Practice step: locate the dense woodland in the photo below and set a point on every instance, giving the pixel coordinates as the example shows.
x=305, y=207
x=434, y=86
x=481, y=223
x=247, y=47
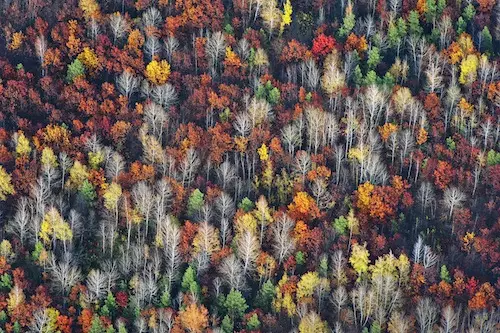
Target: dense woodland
x=250, y=166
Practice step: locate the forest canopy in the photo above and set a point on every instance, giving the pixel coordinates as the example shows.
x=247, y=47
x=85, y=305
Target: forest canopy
x=249, y=166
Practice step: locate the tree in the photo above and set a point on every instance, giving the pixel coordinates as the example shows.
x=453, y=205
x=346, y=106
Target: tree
x=248, y=250
x=195, y=202
x=359, y=259
x=75, y=70
x=235, y=304
x=157, y=72
x=283, y=244
x=6, y=187
x=312, y=322
x=322, y=45
x=452, y=199
x=127, y=83
x=194, y=318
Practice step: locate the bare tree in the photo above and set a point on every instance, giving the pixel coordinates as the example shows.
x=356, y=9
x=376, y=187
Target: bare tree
x=20, y=225
x=291, y=138
x=152, y=46
x=170, y=44
x=156, y=119
x=215, y=48
x=64, y=275
x=226, y=175
x=248, y=250
x=449, y=320
x=452, y=199
x=426, y=313
x=119, y=26
x=151, y=18
x=188, y=167
x=40, y=49
x=96, y=285
x=232, y=274
x=302, y=164
x=165, y=95
x=283, y=243
x=127, y=83
x=114, y=166
x=40, y=321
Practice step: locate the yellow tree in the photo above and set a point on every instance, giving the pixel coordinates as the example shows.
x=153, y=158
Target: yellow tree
x=158, y=72
x=194, y=318
x=112, y=195
x=359, y=259
x=312, y=323
x=6, y=187
x=286, y=18
x=23, y=147
x=89, y=59
x=16, y=298
x=306, y=286
x=206, y=239
x=90, y=8
x=77, y=175
x=468, y=69
x=53, y=227
x=284, y=300
x=49, y=159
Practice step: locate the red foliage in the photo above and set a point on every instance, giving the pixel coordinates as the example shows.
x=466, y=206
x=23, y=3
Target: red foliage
x=322, y=45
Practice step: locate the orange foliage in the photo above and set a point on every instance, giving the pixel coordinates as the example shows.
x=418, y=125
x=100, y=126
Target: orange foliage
x=194, y=318
x=421, y=136
x=386, y=130
x=443, y=174
x=303, y=207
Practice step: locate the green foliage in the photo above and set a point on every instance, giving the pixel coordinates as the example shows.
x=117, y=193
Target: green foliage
x=17, y=327
x=388, y=80
x=358, y=76
x=340, y=225
x=375, y=328
x=195, y=202
x=5, y=281
x=246, y=204
x=110, y=302
x=492, y=158
x=253, y=323
x=374, y=57
x=265, y=296
x=225, y=115
x=300, y=258
x=3, y=317
x=235, y=304
x=431, y=11
x=305, y=22
x=165, y=299
x=37, y=251
x=96, y=326
x=228, y=29
x=189, y=282
x=445, y=274
x=371, y=78
x=75, y=69
x=87, y=191
x=95, y=159
x=268, y=92
x=414, y=27
x=227, y=325
x=461, y=25
x=451, y=144
x=347, y=25
x=323, y=266
x=469, y=12
x=487, y=41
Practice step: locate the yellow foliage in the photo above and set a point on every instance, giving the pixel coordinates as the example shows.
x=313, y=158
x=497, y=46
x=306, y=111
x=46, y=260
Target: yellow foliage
x=246, y=222
x=468, y=69
x=358, y=154
x=386, y=130
x=49, y=158
x=23, y=145
x=206, y=239
x=364, y=195
x=158, y=71
x=465, y=106
x=16, y=41
x=90, y=8
x=385, y=265
x=53, y=225
x=77, y=175
x=359, y=259
x=194, y=318
x=286, y=18
x=312, y=323
x=284, y=301
x=16, y=298
x=6, y=187
x=89, y=59
x=352, y=222
x=263, y=152
x=6, y=250
x=307, y=285
x=422, y=136
x=112, y=196
x=467, y=240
